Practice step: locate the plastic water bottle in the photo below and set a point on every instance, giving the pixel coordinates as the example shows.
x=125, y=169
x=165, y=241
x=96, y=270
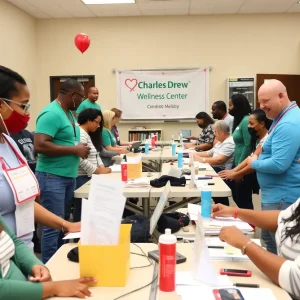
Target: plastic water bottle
x=153, y=140
x=167, y=261
x=147, y=147
x=180, y=159
x=173, y=148
x=206, y=202
x=181, y=140
x=124, y=173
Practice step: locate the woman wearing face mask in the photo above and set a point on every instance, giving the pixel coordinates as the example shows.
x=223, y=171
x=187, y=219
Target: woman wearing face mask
x=90, y=120
x=207, y=136
x=258, y=128
x=240, y=109
x=18, y=207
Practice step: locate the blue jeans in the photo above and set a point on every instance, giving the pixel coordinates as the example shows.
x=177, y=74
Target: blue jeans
x=56, y=196
x=268, y=236
x=81, y=180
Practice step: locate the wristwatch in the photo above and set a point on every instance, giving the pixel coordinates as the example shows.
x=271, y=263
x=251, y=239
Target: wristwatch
x=245, y=246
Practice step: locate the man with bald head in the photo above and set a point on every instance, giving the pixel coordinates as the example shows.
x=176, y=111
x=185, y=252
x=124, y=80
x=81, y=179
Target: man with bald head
x=277, y=168
x=90, y=102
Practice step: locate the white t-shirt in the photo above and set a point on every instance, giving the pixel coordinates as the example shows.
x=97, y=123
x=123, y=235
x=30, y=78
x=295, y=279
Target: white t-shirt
x=262, y=141
x=229, y=120
x=226, y=148
x=88, y=166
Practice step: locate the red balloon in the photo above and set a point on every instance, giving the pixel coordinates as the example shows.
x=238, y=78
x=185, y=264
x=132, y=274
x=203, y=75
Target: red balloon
x=82, y=42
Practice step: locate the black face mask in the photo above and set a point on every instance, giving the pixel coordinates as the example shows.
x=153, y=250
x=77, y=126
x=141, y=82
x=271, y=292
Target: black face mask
x=252, y=132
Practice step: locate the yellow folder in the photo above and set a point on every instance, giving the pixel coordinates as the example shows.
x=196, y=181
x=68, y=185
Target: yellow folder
x=109, y=264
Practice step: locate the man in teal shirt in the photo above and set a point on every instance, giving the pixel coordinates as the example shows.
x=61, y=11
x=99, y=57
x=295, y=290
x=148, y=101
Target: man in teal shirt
x=90, y=102
x=57, y=142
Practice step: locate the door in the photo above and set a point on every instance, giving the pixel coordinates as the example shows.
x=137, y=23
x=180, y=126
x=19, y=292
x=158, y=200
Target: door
x=292, y=83
x=55, y=81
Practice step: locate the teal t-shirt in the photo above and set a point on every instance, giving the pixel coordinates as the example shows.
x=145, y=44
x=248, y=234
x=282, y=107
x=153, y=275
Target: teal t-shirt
x=242, y=140
x=107, y=138
x=87, y=104
x=54, y=122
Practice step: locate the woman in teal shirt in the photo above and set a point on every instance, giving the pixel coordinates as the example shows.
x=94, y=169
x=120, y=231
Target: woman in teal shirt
x=240, y=109
x=108, y=139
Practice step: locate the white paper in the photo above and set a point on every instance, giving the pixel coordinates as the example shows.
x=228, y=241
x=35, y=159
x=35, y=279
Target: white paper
x=102, y=213
x=115, y=168
x=134, y=159
x=138, y=183
x=186, y=278
x=72, y=235
x=203, y=269
x=193, y=292
x=219, y=222
x=25, y=217
x=193, y=210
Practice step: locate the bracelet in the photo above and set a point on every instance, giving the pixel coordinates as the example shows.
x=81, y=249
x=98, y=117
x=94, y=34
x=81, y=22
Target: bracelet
x=62, y=226
x=235, y=213
x=245, y=247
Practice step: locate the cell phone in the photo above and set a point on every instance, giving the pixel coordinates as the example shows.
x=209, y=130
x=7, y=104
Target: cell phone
x=236, y=272
x=203, y=177
x=228, y=294
x=155, y=256
x=211, y=183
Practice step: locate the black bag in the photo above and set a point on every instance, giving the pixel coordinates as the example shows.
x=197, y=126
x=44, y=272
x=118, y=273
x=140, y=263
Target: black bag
x=140, y=230
x=162, y=181
x=174, y=221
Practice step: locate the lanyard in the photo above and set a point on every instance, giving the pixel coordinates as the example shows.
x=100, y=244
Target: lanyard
x=19, y=157
x=281, y=115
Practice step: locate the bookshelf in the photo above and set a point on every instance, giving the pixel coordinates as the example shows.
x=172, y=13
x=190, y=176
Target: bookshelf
x=143, y=134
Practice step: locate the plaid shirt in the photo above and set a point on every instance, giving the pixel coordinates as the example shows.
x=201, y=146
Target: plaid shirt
x=207, y=135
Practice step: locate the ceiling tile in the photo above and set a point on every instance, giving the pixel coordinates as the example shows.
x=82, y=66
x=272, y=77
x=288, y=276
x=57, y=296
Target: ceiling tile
x=177, y=5
x=152, y=5
x=29, y=8
x=177, y=12
x=152, y=12
x=266, y=6
x=197, y=8
x=228, y=6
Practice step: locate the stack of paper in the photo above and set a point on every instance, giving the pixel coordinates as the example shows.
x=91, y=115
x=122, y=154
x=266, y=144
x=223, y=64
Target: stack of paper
x=213, y=226
x=115, y=168
x=138, y=183
x=223, y=251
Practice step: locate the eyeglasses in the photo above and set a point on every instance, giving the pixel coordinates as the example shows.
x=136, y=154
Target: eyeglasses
x=97, y=122
x=25, y=107
x=82, y=97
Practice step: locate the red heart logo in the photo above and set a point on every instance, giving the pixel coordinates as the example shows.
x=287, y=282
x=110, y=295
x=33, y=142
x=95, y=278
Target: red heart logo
x=131, y=84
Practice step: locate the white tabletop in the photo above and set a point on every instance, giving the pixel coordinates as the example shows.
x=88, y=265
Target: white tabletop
x=63, y=269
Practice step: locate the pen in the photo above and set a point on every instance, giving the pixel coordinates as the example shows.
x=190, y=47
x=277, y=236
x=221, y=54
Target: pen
x=216, y=247
x=249, y=285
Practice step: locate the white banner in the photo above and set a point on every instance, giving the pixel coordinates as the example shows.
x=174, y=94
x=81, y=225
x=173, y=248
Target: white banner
x=162, y=94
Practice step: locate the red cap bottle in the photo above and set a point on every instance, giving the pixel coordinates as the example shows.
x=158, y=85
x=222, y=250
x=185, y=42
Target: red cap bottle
x=167, y=261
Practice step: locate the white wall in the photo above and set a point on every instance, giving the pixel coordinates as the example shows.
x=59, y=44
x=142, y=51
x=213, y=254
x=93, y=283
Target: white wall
x=18, y=45
x=234, y=45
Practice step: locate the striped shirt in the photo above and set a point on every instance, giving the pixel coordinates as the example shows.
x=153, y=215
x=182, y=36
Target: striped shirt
x=7, y=247
x=289, y=274
x=88, y=166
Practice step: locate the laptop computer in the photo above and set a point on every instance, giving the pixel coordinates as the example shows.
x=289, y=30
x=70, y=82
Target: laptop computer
x=160, y=207
x=135, y=147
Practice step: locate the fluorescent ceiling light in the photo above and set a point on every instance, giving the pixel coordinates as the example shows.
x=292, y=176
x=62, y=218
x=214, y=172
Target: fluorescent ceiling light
x=108, y=1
